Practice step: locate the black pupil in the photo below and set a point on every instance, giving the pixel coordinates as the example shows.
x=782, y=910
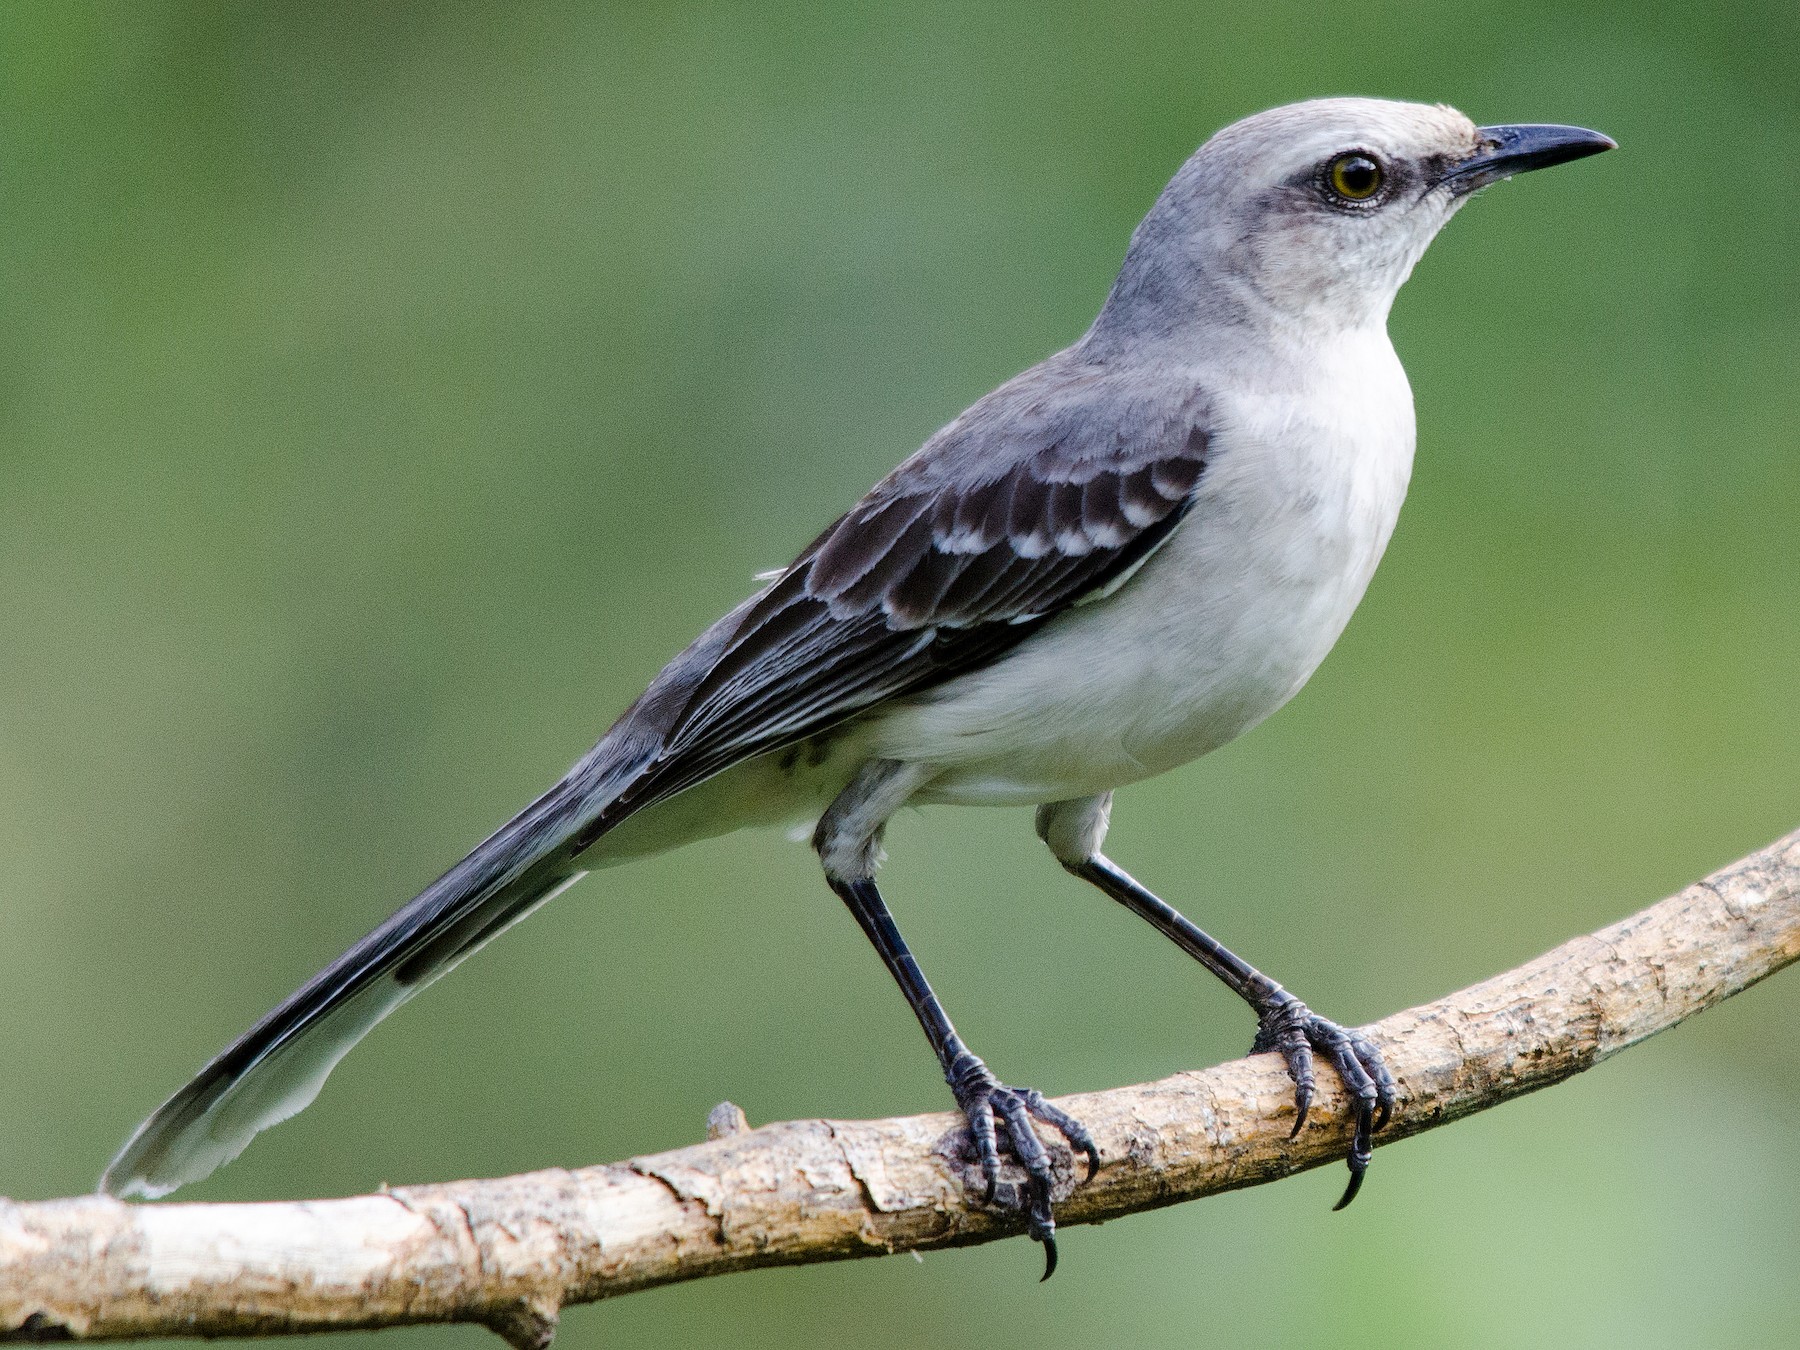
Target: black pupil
x=1358, y=176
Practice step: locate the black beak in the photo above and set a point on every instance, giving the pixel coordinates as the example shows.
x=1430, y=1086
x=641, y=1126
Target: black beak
x=1505, y=151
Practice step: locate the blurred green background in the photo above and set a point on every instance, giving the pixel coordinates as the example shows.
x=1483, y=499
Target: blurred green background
x=388, y=390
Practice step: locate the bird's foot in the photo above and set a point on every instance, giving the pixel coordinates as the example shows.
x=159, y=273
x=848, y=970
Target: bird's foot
x=1288, y=1027
x=992, y=1107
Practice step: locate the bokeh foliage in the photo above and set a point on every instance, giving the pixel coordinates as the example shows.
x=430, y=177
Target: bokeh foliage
x=386, y=390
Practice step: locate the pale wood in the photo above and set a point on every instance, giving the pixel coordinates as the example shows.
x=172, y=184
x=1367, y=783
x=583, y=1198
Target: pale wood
x=510, y=1252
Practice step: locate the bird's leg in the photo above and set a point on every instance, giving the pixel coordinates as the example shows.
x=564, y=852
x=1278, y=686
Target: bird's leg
x=992, y=1108
x=1284, y=1024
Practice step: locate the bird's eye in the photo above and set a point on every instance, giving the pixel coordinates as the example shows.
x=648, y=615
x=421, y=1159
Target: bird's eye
x=1354, y=177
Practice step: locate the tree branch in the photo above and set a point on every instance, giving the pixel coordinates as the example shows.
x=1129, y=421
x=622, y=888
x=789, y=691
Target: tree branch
x=509, y=1253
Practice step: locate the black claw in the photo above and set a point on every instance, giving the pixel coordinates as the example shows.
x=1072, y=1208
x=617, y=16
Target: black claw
x=1358, y=1161
x=1385, y=1088
x=1302, y=1104
x=1288, y=1027
x=992, y=1108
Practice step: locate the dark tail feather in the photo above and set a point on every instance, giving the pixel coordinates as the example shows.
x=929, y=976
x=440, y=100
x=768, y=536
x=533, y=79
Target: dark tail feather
x=278, y=1067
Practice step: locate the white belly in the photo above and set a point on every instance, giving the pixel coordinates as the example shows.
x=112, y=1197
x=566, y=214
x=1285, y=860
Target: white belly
x=1219, y=629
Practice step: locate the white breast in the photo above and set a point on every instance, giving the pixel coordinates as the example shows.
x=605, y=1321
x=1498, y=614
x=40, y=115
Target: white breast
x=1220, y=628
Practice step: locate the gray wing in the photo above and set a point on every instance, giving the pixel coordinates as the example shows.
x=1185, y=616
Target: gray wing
x=936, y=571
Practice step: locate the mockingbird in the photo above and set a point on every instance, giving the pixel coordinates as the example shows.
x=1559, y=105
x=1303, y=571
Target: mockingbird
x=1111, y=564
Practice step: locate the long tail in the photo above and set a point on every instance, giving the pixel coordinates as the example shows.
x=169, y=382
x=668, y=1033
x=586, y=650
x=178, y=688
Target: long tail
x=278, y=1067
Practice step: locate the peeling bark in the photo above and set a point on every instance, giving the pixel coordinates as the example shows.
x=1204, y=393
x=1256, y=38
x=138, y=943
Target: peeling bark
x=510, y=1253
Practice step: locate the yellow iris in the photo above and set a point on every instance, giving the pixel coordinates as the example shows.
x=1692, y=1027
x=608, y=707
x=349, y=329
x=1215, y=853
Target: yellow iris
x=1354, y=177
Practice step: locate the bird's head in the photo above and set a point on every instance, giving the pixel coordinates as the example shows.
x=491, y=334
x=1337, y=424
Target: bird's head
x=1318, y=211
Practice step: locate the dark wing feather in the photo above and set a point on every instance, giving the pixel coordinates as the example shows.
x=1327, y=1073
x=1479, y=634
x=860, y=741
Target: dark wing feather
x=925, y=578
